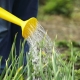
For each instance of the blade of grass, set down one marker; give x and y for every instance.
(41, 66)
(17, 72)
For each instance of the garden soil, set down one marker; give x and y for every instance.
(62, 27)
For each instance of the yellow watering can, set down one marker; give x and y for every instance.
(28, 26)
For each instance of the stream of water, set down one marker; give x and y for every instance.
(40, 40)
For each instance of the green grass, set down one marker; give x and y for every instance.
(49, 67)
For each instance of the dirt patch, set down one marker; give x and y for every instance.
(64, 28)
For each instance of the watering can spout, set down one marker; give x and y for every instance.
(26, 26)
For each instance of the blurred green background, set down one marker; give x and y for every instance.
(61, 18)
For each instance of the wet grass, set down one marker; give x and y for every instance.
(56, 66)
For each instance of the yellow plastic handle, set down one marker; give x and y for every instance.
(10, 17)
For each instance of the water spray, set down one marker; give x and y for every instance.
(32, 31)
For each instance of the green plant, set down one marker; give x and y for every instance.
(48, 67)
(64, 7)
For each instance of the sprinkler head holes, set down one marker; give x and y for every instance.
(28, 27)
